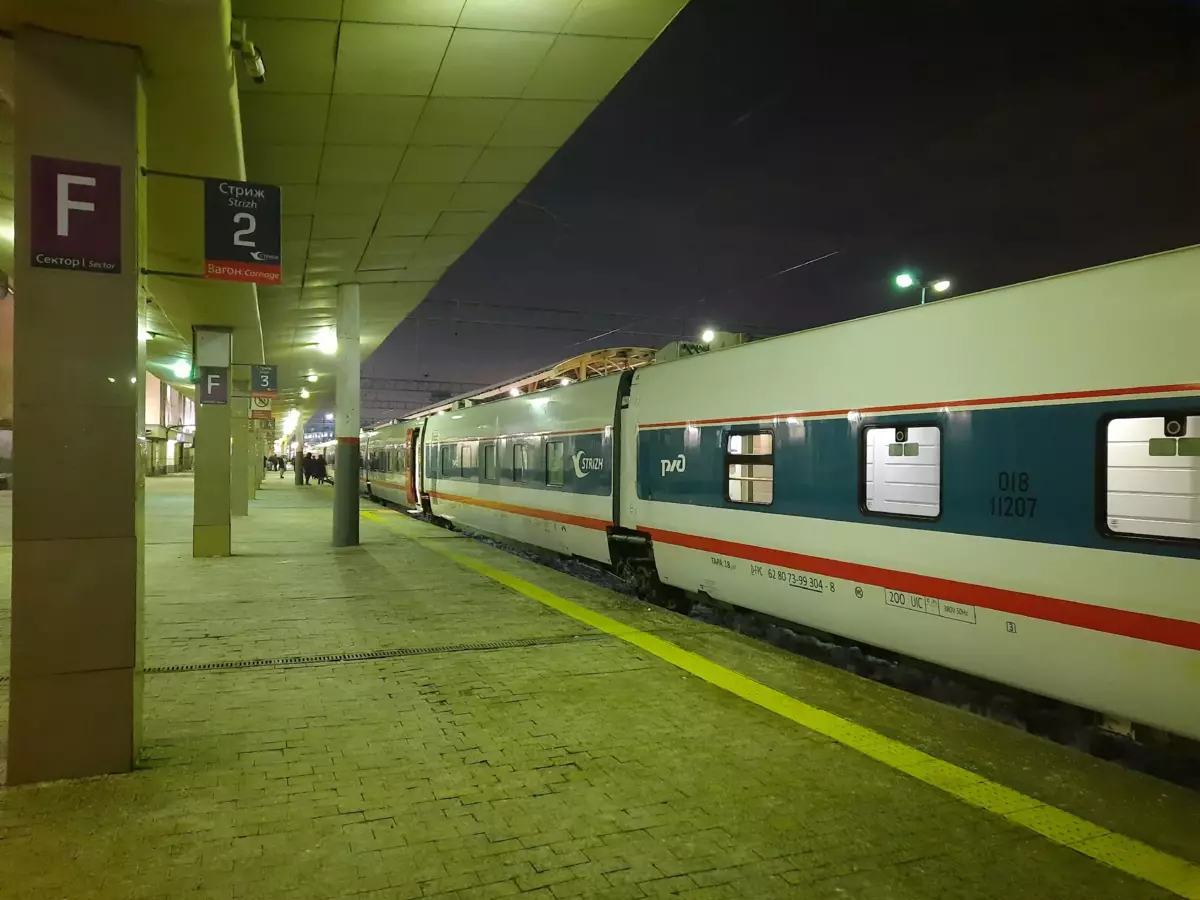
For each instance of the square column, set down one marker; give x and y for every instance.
(240, 486)
(210, 507)
(347, 422)
(75, 693)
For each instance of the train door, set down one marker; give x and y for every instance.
(411, 465)
(625, 496)
(364, 466)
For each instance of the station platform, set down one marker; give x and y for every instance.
(429, 716)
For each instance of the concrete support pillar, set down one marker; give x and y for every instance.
(239, 423)
(75, 692)
(254, 479)
(260, 451)
(210, 507)
(347, 422)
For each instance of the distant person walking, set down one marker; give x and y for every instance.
(321, 468)
(308, 467)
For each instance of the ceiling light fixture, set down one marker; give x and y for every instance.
(327, 342)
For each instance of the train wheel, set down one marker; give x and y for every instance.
(639, 574)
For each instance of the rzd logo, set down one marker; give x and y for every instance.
(678, 464)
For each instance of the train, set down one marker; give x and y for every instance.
(1004, 484)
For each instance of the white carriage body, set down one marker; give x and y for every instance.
(572, 517)
(1054, 605)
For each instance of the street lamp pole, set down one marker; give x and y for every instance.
(939, 285)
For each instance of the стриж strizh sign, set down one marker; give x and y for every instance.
(241, 231)
(75, 220)
(264, 381)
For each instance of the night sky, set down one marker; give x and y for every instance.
(988, 142)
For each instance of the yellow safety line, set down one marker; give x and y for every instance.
(1117, 850)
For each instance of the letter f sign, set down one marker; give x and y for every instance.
(66, 204)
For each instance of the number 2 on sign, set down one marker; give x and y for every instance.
(244, 217)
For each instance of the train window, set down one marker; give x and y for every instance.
(468, 457)
(489, 462)
(554, 463)
(902, 470)
(750, 467)
(449, 454)
(520, 462)
(1152, 476)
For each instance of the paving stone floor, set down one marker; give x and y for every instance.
(577, 766)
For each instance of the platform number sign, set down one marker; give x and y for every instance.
(264, 381)
(242, 232)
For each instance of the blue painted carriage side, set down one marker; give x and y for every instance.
(819, 469)
(587, 462)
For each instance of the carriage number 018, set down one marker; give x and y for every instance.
(1013, 500)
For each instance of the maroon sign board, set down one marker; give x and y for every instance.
(75, 220)
(212, 385)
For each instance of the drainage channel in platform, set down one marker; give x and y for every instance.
(321, 659)
(371, 655)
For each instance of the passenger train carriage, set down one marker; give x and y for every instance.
(1005, 484)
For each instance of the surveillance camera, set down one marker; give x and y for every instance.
(252, 59)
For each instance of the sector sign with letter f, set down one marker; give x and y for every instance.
(75, 221)
(241, 231)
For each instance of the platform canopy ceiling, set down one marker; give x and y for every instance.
(192, 128)
(400, 129)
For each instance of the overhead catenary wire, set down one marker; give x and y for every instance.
(729, 290)
(598, 313)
